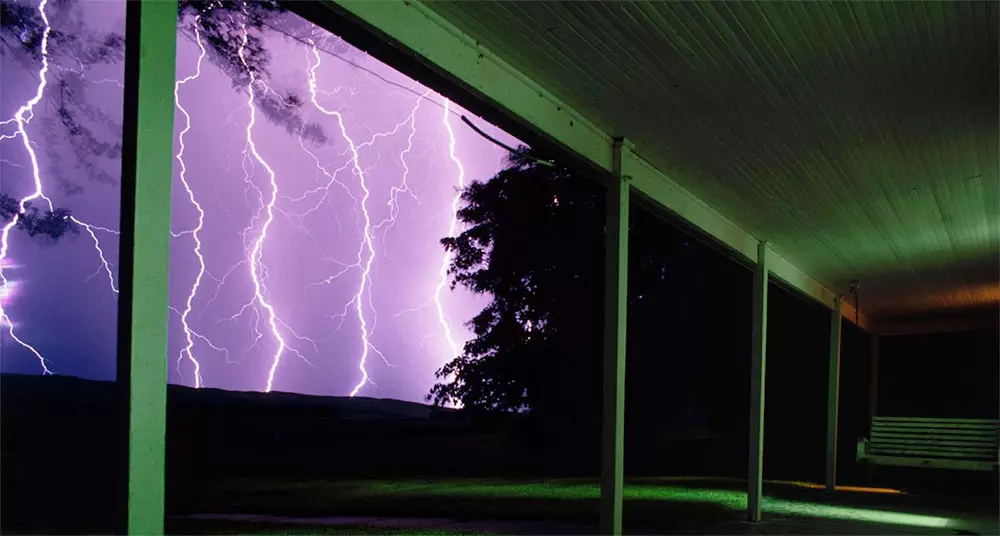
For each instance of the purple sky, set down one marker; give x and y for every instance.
(316, 233)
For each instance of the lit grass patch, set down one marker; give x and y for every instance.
(730, 499)
(652, 502)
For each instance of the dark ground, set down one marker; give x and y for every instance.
(309, 457)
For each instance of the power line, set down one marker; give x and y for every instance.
(465, 119)
(371, 72)
(357, 65)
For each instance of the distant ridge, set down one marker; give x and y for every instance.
(14, 386)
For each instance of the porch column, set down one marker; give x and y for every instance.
(147, 147)
(758, 366)
(833, 397)
(615, 305)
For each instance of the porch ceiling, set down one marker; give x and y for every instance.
(860, 139)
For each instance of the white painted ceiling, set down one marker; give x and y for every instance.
(861, 138)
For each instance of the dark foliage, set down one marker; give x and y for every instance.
(535, 244)
(220, 27)
(23, 28)
(53, 224)
(72, 50)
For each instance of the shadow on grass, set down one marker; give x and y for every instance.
(666, 505)
(463, 500)
(203, 526)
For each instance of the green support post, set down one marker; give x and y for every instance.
(758, 374)
(833, 397)
(615, 304)
(147, 163)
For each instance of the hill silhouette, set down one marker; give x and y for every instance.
(64, 446)
(22, 387)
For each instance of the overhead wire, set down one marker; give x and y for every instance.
(464, 119)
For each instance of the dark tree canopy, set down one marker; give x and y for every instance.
(220, 27)
(48, 223)
(74, 49)
(535, 243)
(23, 28)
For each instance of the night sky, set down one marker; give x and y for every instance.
(396, 173)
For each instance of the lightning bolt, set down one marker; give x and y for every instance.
(81, 72)
(189, 334)
(22, 117)
(298, 217)
(105, 264)
(367, 240)
(452, 227)
(366, 250)
(403, 187)
(255, 260)
(375, 215)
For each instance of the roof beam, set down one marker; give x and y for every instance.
(414, 29)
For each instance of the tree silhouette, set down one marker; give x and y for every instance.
(53, 224)
(74, 49)
(534, 242)
(23, 28)
(220, 27)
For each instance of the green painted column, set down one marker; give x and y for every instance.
(758, 374)
(615, 304)
(833, 397)
(147, 163)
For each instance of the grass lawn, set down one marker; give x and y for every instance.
(460, 499)
(203, 526)
(666, 504)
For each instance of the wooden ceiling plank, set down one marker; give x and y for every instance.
(844, 133)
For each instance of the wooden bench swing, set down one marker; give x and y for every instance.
(966, 444)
